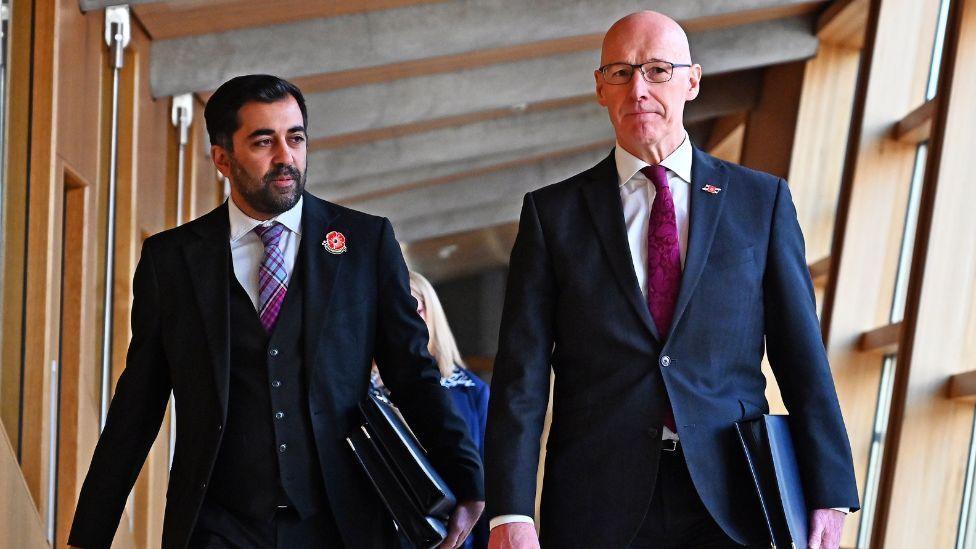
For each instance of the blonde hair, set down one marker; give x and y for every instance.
(441, 345)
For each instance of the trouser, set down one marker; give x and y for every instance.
(220, 528)
(677, 518)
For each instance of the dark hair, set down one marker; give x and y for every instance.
(222, 107)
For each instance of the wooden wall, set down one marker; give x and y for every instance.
(69, 117)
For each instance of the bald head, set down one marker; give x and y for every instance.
(647, 111)
(646, 30)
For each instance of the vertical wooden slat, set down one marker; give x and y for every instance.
(929, 434)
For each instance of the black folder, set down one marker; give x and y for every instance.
(416, 496)
(769, 453)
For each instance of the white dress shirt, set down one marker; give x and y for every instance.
(247, 249)
(637, 194)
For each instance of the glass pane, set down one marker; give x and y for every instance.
(876, 453)
(908, 236)
(940, 28)
(966, 536)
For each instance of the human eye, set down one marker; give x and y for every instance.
(621, 71)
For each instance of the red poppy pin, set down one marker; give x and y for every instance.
(335, 243)
(711, 189)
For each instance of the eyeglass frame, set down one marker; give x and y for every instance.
(641, 69)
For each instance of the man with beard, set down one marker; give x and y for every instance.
(263, 318)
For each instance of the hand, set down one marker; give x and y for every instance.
(462, 521)
(513, 535)
(826, 526)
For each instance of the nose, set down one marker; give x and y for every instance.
(282, 153)
(637, 88)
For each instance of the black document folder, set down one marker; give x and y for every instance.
(769, 453)
(416, 496)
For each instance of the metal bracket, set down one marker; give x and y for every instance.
(182, 115)
(118, 31)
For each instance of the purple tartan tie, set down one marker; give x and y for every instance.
(271, 275)
(663, 260)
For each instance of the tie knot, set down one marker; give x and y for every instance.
(270, 234)
(657, 175)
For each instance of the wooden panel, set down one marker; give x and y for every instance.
(20, 524)
(43, 263)
(191, 17)
(820, 142)
(726, 139)
(14, 219)
(917, 125)
(770, 129)
(930, 435)
(76, 347)
(870, 214)
(843, 23)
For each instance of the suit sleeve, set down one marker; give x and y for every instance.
(412, 377)
(133, 419)
(520, 381)
(799, 361)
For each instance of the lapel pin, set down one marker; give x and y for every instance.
(335, 243)
(711, 189)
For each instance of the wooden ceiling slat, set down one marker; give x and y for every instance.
(177, 19)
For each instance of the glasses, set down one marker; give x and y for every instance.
(654, 71)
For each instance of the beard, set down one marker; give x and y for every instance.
(262, 195)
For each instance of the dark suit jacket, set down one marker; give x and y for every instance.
(357, 306)
(573, 303)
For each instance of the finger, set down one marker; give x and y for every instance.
(450, 540)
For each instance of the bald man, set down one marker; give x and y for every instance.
(648, 285)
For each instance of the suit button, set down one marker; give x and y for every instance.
(273, 352)
(279, 415)
(276, 384)
(282, 448)
(203, 485)
(219, 427)
(665, 361)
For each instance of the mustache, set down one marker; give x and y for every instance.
(284, 170)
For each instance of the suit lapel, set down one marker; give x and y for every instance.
(321, 269)
(602, 197)
(208, 262)
(705, 209)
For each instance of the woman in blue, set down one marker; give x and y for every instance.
(470, 393)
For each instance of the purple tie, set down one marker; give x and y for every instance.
(663, 260)
(271, 275)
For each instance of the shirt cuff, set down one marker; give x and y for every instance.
(845, 510)
(505, 519)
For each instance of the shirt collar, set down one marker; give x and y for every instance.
(629, 166)
(241, 223)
